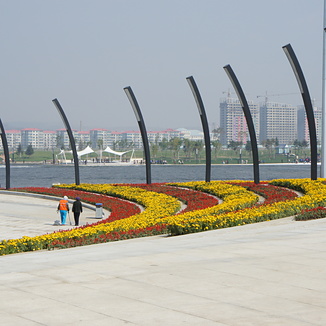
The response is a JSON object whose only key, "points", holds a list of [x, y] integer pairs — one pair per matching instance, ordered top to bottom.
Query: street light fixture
{"points": [[307, 104], [203, 117], [141, 123], [250, 124], [71, 139], [6, 154]]}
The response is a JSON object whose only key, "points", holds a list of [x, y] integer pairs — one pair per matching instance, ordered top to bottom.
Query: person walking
{"points": [[63, 207], [77, 208]]}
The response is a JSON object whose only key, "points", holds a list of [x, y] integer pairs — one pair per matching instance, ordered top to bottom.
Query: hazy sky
{"points": [[85, 52]]}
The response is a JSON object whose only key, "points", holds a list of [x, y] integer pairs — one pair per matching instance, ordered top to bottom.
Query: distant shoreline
{"points": [[127, 164]]}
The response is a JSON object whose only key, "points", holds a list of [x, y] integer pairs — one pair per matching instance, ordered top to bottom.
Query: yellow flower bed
{"points": [[314, 195], [234, 198]]}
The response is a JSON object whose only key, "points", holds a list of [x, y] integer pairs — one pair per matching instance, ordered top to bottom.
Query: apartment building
{"points": [[278, 120], [233, 123], [303, 130], [32, 136], [100, 137], [13, 139], [50, 139], [82, 139]]}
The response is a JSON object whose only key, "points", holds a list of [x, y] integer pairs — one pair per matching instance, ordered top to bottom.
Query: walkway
{"points": [[31, 216], [270, 273]]}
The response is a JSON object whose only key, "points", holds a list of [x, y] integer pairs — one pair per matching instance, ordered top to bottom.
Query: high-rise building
{"points": [[278, 120], [233, 123], [303, 130]]}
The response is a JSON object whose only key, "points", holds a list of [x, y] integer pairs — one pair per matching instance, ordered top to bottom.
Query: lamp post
{"points": [[307, 104], [203, 117], [141, 124], [250, 124], [71, 138], [323, 141], [6, 154]]}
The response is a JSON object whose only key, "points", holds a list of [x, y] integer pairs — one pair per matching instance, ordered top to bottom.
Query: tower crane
{"points": [[228, 92], [269, 95]]}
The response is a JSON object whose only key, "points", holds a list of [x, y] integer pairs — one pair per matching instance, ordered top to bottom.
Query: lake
{"points": [[46, 175]]}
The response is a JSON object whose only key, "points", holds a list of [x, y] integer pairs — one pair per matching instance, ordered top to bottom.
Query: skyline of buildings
{"points": [[271, 120], [49, 139]]}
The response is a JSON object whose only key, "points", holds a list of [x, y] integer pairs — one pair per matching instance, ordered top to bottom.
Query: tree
{"points": [[217, 132], [60, 143], [100, 143], [164, 144], [175, 144], [234, 144], [81, 145], [270, 145], [300, 145], [187, 146], [217, 146], [248, 146], [154, 149], [19, 150], [29, 151]]}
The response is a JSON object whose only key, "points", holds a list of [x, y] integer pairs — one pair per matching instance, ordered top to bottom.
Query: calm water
{"points": [[46, 175]]}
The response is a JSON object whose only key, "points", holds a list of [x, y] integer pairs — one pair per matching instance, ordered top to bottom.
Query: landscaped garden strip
{"points": [[271, 193], [314, 195], [192, 198], [234, 198], [157, 206], [160, 209]]}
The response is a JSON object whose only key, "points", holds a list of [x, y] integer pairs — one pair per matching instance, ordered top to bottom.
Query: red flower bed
{"points": [[272, 194], [192, 198], [119, 208]]}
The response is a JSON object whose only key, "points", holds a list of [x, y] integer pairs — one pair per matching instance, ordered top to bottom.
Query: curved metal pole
{"points": [[308, 107], [203, 117], [140, 120], [250, 124], [323, 138], [71, 139], [6, 154]]}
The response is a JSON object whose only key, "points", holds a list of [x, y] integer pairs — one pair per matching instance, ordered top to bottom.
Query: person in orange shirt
{"points": [[63, 207]]}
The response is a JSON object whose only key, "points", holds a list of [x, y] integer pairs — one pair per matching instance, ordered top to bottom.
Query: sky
{"points": [[85, 52]]}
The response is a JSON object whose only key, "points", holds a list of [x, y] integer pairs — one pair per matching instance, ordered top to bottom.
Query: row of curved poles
{"points": [[200, 105]]}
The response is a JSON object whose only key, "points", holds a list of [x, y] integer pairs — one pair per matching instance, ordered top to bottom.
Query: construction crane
{"points": [[228, 92], [269, 95]]}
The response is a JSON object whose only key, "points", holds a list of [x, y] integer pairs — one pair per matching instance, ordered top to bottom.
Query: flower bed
{"points": [[271, 193], [314, 195], [193, 199], [157, 206], [239, 207], [311, 214]]}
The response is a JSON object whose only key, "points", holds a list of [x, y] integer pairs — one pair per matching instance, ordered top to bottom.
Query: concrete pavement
{"points": [[35, 215], [270, 273]]}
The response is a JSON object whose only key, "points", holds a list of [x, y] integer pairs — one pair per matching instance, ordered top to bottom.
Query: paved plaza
{"points": [[270, 273]]}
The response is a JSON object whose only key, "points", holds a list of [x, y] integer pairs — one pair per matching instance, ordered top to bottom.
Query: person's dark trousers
{"points": [[76, 217]]}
